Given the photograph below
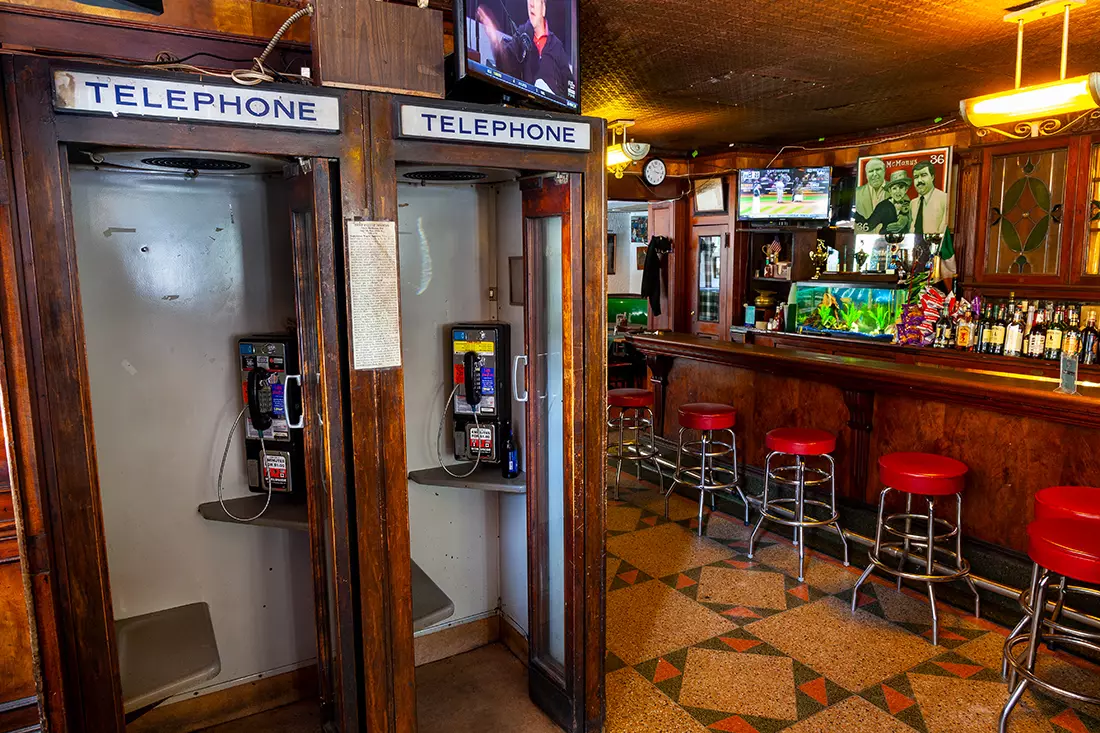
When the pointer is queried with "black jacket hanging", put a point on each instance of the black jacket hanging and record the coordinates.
(651, 271)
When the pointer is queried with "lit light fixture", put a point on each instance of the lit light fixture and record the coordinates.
(621, 154)
(1034, 108)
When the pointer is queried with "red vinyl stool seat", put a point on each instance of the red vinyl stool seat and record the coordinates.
(800, 441)
(629, 397)
(1068, 502)
(939, 543)
(922, 473)
(630, 432)
(799, 444)
(1061, 549)
(714, 423)
(707, 416)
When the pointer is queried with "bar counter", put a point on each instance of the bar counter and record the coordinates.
(1015, 433)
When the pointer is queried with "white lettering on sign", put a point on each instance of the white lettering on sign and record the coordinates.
(461, 125)
(180, 100)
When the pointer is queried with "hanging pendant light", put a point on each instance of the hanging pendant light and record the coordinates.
(1035, 109)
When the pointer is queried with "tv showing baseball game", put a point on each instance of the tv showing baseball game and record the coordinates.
(776, 194)
(526, 46)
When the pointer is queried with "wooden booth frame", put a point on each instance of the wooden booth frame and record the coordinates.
(360, 520)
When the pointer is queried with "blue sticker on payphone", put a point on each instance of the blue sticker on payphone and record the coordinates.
(487, 383)
(277, 404)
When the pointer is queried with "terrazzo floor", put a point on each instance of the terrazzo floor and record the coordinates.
(701, 638)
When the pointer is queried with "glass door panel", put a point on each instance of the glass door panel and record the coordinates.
(1027, 196)
(710, 268)
(1092, 246)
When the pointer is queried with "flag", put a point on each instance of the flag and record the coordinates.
(944, 266)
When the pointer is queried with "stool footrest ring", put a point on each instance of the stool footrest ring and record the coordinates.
(897, 532)
(918, 552)
(1021, 668)
(776, 476)
(807, 521)
(694, 479)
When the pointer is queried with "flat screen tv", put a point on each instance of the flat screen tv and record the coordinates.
(783, 194)
(529, 47)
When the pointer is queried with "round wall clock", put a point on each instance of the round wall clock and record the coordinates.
(654, 172)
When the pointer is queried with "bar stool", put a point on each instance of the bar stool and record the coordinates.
(1057, 547)
(630, 418)
(927, 475)
(1060, 502)
(708, 418)
(800, 444)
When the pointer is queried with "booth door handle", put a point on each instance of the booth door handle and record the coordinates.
(515, 378)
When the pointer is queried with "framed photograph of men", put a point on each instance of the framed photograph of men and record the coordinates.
(903, 193)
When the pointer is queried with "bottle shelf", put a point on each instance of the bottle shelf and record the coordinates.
(483, 479)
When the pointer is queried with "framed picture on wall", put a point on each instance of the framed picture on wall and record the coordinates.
(611, 253)
(639, 228)
(710, 196)
(895, 189)
(639, 258)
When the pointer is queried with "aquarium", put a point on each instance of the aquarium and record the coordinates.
(848, 309)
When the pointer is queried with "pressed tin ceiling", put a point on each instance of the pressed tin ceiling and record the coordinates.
(702, 75)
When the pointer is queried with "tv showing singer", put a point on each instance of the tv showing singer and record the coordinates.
(529, 46)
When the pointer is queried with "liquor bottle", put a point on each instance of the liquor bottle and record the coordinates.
(511, 468)
(1029, 319)
(981, 338)
(1014, 334)
(1090, 341)
(1000, 326)
(1011, 304)
(944, 333)
(1052, 348)
(1036, 340)
(1071, 339)
(964, 332)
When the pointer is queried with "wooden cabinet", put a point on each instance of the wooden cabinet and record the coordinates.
(710, 281)
(1038, 222)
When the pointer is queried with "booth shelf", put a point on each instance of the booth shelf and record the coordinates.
(484, 479)
(284, 512)
(430, 604)
(164, 653)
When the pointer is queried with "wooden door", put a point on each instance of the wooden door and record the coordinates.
(565, 649)
(312, 220)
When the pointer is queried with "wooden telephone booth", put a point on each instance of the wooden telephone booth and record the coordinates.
(58, 370)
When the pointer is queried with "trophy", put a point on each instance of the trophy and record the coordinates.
(819, 257)
(861, 260)
(771, 256)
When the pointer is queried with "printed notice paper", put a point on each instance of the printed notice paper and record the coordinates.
(373, 277)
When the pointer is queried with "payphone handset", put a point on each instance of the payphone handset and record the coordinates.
(480, 398)
(274, 450)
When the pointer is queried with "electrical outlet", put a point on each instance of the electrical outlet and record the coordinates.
(492, 295)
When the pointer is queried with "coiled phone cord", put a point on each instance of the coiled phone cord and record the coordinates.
(263, 470)
(439, 438)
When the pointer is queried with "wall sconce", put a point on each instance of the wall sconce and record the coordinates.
(1033, 108)
(621, 154)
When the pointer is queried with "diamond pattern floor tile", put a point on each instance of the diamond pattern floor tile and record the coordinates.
(699, 639)
(666, 549)
(718, 680)
(651, 619)
(853, 650)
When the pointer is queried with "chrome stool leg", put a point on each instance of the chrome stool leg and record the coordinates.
(800, 515)
(702, 478)
(930, 568)
(679, 466)
(653, 448)
(1038, 609)
(763, 504)
(875, 550)
(832, 506)
(904, 558)
(959, 554)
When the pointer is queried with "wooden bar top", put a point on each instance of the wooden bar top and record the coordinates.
(1009, 394)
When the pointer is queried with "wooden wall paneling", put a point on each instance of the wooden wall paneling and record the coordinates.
(659, 368)
(255, 18)
(63, 412)
(26, 607)
(967, 198)
(594, 366)
(378, 451)
(662, 222)
(378, 46)
(861, 409)
(88, 33)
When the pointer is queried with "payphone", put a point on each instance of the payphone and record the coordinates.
(480, 398)
(274, 451)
